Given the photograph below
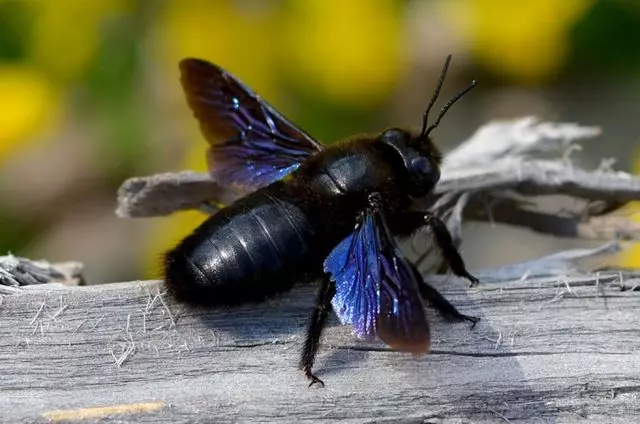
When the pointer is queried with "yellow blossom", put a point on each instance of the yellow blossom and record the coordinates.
(27, 105)
(239, 40)
(525, 40)
(66, 34)
(631, 257)
(349, 50)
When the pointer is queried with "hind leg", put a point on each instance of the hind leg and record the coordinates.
(439, 302)
(315, 328)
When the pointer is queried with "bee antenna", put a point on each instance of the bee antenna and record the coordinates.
(427, 130)
(436, 93)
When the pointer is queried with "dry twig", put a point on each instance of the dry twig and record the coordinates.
(495, 161)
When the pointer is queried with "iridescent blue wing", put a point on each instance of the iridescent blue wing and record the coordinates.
(376, 292)
(251, 144)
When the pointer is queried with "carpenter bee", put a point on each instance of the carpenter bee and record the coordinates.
(313, 213)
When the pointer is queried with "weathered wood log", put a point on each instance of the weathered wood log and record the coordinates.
(559, 349)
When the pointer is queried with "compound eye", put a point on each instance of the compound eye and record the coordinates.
(394, 136)
(421, 165)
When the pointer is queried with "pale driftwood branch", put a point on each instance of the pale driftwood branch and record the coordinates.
(516, 138)
(570, 224)
(538, 177)
(16, 271)
(546, 350)
(494, 160)
(166, 193)
(163, 194)
(562, 263)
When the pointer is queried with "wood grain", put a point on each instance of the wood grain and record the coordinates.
(546, 350)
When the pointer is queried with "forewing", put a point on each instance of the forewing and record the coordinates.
(251, 144)
(376, 292)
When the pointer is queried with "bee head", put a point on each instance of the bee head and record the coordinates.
(420, 160)
(420, 156)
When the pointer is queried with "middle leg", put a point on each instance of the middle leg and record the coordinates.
(411, 221)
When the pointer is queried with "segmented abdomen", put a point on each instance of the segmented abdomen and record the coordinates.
(246, 252)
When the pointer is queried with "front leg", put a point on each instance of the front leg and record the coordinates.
(410, 221)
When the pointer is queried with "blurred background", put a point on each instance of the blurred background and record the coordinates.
(90, 96)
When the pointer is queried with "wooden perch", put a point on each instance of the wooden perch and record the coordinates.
(559, 349)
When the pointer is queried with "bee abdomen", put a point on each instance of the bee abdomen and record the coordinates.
(244, 256)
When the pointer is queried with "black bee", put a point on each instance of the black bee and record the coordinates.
(313, 213)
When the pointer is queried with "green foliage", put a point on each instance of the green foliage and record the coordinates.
(15, 23)
(113, 82)
(606, 40)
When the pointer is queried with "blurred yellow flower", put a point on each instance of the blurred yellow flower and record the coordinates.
(28, 105)
(223, 33)
(66, 34)
(631, 257)
(349, 50)
(525, 40)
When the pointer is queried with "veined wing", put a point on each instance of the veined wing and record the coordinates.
(376, 292)
(251, 144)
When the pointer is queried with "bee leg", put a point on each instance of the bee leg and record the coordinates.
(314, 329)
(411, 221)
(439, 302)
(449, 250)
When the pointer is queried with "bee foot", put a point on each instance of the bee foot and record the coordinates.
(313, 378)
(473, 320)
